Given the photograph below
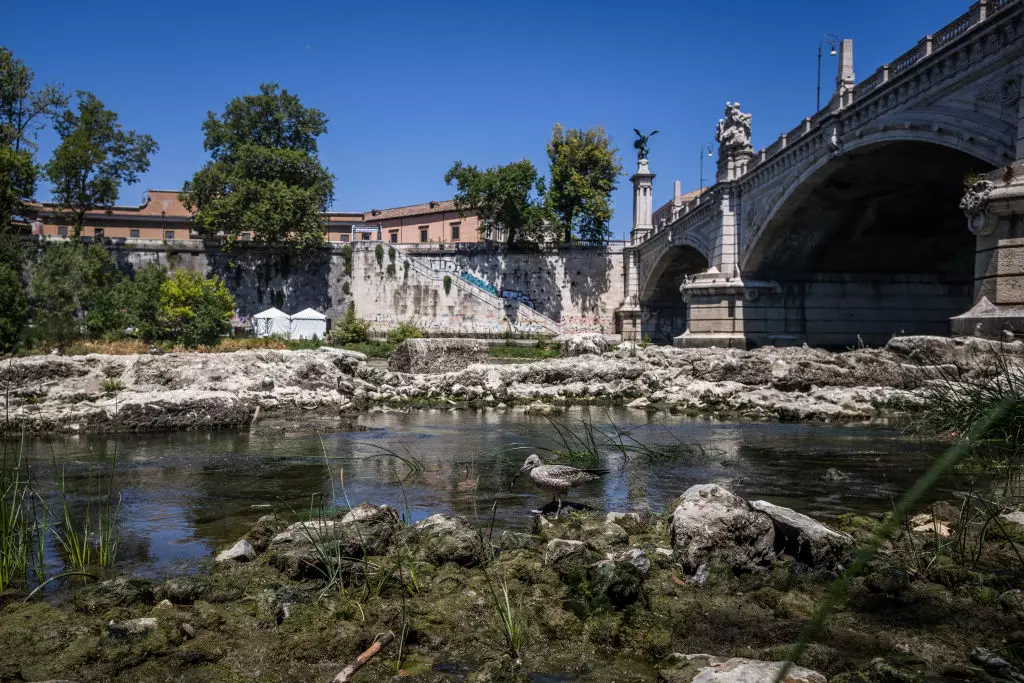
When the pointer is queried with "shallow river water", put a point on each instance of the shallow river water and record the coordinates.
(186, 494)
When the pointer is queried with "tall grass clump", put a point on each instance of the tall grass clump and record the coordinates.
(90, 538)
(22, 524)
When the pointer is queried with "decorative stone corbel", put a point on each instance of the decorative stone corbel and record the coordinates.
(974, 205)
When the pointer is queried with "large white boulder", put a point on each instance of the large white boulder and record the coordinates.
(699, 668)
(584, 343)
(710, 524)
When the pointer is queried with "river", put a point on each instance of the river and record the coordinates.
(185, 494)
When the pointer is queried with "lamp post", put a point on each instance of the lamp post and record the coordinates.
(832, 40)
(705, 149)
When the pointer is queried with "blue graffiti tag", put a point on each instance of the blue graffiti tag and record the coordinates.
(474, 280)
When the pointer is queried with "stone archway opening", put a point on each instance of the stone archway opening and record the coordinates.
(664, 312)
(872, 245)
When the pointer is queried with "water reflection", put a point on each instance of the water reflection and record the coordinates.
(185, 494)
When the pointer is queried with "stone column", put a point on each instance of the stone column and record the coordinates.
(845, 79)
(628, 314)
(643, 205)
(994, 208)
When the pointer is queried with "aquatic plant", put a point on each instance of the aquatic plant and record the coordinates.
(22, 523)
(84, 544)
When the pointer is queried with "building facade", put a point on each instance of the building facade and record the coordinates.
(162, 216)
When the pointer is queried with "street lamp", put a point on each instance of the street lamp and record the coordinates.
(705, 149)
(832, 41)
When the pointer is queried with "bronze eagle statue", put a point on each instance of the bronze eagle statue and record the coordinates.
(640, 144)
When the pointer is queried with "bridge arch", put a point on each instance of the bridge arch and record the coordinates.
(980, 145)
(660, 298)
(871, 242)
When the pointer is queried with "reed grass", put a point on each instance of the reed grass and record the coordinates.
(22, 523)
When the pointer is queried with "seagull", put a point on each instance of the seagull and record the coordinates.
(557, 478)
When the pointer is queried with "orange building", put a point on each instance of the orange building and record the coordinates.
(162, 216)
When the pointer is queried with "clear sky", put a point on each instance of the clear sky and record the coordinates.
(409, 87)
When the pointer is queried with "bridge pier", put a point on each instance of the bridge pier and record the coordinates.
(995, 214)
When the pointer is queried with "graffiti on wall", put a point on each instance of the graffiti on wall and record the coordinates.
(516, 295)
(482, 284)
(443, 265)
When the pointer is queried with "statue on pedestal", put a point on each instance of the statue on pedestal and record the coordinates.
(640, 144)
(733, 134)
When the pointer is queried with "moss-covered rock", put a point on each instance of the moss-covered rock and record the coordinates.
(120, 592)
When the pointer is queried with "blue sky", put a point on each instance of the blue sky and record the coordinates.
(409, 87)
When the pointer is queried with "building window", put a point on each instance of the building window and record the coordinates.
(423, 233)
(365, 236)
(394, 237)
(134, 232)
(168, 234)
(245, 236)
(343, 237)
(97, 233)
(455, 231)
(62, 231)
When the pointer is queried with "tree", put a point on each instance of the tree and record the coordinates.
(195, 310)
(94, 158)
(141, 298)
(584, 169)
(505, 197)
(264, 177)
(22, 111)
(76, 291)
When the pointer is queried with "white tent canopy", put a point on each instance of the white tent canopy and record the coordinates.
(271, 322)
(308, 323)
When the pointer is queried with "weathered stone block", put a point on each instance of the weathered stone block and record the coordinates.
(437, 355)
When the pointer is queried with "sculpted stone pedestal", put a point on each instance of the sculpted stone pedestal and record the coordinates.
(994, 208)
(717, 307)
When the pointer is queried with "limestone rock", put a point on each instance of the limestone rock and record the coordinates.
(701, 668)
(834, 474)
(265, 528)
(362, 531)
(632, 522)
(513, 540)
(446, 539)
(132, 627)
(437, 355)
(621, 579)
(711, 524)
(239, 552)
(120, 592)
(582, 344)
(567, 556)
(804, 538)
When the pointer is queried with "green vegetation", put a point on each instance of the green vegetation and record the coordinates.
(404, 330)
(379, 253)
(112, 385)
(507, 198)
(373, 349)
(447, 284)
(94, 158)
(346, 256)
(194, 309)
(584, 170)
(264, 176)
(351, 330)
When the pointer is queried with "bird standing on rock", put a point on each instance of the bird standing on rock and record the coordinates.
(557, 478)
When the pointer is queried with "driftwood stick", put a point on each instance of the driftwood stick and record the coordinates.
(349, 671)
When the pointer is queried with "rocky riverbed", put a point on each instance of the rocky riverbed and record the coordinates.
(208, 390)
(715, 589)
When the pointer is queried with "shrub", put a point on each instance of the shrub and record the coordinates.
(13, 297)
(195, 310)
(346, 288)
(352, 330)
(404, 330)
(112, 385)
(346, 257)
(391, 254)
(379, 251)
(391, 270)
(142, 300)
(447, 284)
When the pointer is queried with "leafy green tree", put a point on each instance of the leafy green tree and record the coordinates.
(584, 170)
(94, 158)
(265, 176)
(141, 298)
(22, 112)
(77, 290)
(13, 307)
(507, 198)
(195, 310)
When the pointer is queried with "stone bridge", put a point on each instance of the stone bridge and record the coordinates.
(849, 228)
